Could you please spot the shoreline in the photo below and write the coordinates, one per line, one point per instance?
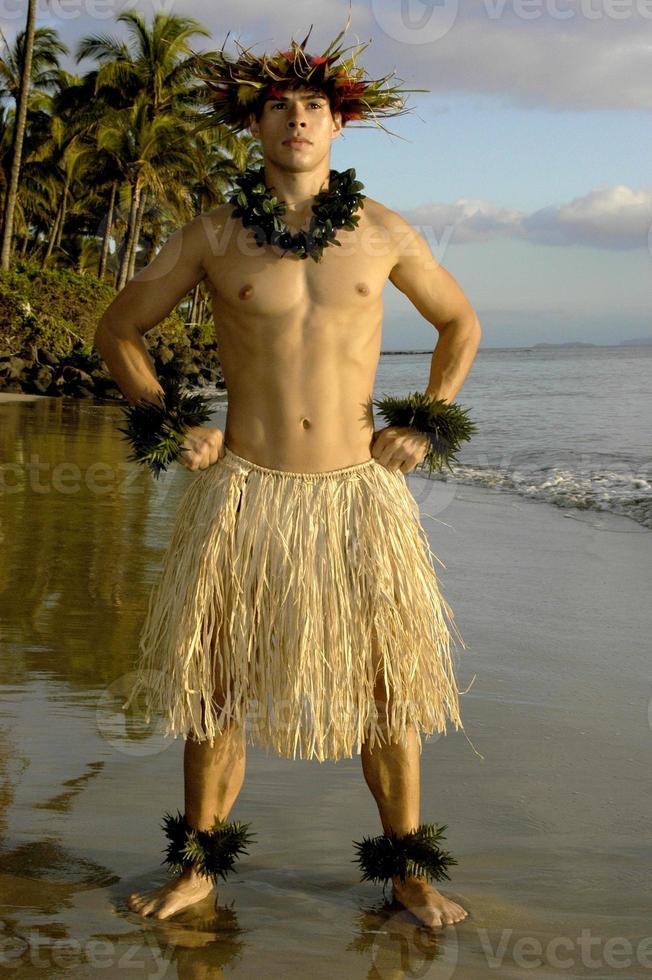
(556, 623)
(219, 396)
(19, 396)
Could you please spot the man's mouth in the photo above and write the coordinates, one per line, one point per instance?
(295, 141)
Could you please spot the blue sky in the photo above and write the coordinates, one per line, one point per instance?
(526, 164)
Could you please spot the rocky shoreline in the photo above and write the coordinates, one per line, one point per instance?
(83, 374)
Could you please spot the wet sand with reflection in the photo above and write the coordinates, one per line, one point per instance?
(549, 829)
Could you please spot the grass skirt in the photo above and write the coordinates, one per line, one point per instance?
(296, 595)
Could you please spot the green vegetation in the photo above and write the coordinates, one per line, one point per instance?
(103, 167)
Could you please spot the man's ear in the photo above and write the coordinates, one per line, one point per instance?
(252, 125)
(337, 124)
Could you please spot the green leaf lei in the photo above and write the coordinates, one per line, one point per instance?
(332, 209)
(156, 432)
(445, 424)
(416, 853)
(212, 852)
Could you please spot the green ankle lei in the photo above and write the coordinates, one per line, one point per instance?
(332, 209)
(417, 853)
(212, 853)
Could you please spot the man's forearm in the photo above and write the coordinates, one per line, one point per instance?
(453, 356)
(128, 360)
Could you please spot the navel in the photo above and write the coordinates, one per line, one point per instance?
(362, 288)
(246, 291)
(306, 423)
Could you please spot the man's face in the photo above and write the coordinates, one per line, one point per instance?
(296, 129)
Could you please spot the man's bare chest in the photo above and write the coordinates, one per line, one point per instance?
(261, 281)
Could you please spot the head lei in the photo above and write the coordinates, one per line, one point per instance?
(239, 88)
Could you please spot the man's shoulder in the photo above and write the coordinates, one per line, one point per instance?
(215, 218)
(390, 220)
(205, 230)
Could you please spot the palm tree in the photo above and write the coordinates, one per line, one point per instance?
(25, 51)
(153, 75)
(158, 64)
(71, 121)
(149, 157)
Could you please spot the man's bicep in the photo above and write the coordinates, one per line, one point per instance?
(155, 291)
(431, 289)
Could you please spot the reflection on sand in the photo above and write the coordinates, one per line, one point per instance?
(547, 829)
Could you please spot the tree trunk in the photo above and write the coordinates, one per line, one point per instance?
(53, 236)
(195, 304)
(104, 254)
(136, 238)
(62, 219)
(202, 310)
(19, 136)
(129, 234)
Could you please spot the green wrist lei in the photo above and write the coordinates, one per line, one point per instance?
(156, 433)
(445, 424)
(211, 853)
(332, 209)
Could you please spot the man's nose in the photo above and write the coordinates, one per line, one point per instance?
(296, 115)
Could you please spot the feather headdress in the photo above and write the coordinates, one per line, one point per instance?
(237, 88)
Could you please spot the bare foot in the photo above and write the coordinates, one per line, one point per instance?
(426, 903)
(186, 889)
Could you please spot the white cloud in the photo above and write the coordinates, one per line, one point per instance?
(608, 217)
(560, 54)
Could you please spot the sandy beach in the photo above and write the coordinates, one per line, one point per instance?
(18, 396)
(548, 826)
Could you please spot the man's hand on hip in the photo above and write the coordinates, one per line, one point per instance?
(400, 447)
(202, 446)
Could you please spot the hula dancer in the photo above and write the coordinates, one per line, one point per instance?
(298, 601)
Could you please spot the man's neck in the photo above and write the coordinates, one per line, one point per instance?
(298, 190)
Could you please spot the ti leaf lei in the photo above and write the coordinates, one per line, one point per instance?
(332, 209)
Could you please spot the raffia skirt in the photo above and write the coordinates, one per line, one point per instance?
(297, 596)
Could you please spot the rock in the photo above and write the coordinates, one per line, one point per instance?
(40, 380)
(47, 357)
(16, 368)
(165, 355)
(75, 375)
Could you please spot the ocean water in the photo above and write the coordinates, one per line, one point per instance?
(570, 426)
(548, 825)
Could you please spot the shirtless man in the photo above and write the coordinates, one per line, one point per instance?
(299, 344)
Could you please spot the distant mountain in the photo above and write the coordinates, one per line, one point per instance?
(631, 342)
